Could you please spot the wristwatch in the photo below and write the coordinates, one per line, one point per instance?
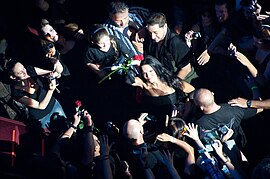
(248, 103)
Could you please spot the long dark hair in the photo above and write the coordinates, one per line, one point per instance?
(164, 74)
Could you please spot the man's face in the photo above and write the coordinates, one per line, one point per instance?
(121, 19)
(221, 12)
(157, 33)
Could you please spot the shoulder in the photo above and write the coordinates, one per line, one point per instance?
(174, 39)
(17, 94)
(31, 71)
(140, 12)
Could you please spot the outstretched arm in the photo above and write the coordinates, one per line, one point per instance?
(30, 102)
(167, 160)
(105, 152)
(190, 160)
(224, 160)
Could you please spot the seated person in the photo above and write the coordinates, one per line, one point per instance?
(64, 41)
(28, 89)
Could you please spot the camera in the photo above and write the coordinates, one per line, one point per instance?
(196, 35)
(150, 118)
(223, 129)
(209, 148)
(231, 52)
(251, 10)
(47, 47)
(81, 112)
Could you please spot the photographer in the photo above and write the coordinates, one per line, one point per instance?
(30, 91)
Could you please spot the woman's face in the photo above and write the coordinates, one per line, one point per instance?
(19, 72)
(104, 43)
(149, 74)
(50, 33)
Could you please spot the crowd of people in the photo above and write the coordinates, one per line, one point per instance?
(131, 89)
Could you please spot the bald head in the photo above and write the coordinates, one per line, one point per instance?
(204, 97)
(133, 130)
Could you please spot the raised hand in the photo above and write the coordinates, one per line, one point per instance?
(192, 131)
(104, 145)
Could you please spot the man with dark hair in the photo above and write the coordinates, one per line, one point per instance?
(125, 22)
(168, 47)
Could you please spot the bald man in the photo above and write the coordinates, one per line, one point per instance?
(222, 114)
(139, 154)
(133, 131)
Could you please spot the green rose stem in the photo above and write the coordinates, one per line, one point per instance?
(111, 74)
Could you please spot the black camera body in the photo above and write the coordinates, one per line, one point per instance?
(150, 118)
(196, 35)
(231, 52)
(47, 47)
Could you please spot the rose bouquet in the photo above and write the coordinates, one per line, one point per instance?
(123, 66)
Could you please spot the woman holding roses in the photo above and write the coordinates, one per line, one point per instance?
(104, 51)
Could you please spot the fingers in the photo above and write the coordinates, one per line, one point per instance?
(167, 121)
(203, 59)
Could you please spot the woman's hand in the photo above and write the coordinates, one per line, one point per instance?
(218, 148)
(142, 117)
(192, 131)
(165, 138)
(52, 84)
(203, 58)
(138, 82)
(104, 145)
(77, 119)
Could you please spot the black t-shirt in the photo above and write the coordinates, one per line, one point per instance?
(39, 95)
(227, 115)
(96, 56)
(173, 53)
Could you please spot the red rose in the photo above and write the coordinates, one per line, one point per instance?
(138, 57)
(78, 103)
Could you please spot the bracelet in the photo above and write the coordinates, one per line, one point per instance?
(74, 127)
(254, 87)
(104, 157)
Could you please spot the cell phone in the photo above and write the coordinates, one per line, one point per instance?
(223, 129)
(209, 148)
